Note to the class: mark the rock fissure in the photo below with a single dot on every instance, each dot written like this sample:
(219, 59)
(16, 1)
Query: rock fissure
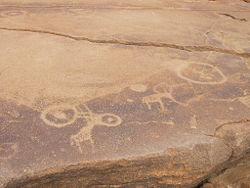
(227, 123)
(233, 134)
(82, 7)
(230, 123)
(224, 140)
(115, 7)
(233, 17)
(235, 174)
(133, 43)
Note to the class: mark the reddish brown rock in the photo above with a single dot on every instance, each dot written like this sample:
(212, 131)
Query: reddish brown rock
(123, 93)
(237, 176)
(208, 185)
(236, 135)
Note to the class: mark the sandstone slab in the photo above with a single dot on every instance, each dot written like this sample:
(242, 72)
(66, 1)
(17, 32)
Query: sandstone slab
(122, 93)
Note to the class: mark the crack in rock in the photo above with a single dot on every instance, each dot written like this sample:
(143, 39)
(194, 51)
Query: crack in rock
(233, 17)
(133, 43)
(240, 122)
(80, 7)
(230, 123)
(236, 135)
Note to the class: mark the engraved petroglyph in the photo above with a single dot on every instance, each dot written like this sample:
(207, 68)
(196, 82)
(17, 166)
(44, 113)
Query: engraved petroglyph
(233, 39)
(245, 100)
(193, 122)
(63, 115)
(170, 123)
(163, 90)
(59, 115)
(138, 87)
(247, 63)
(7, 150)
(158, 96)
(85, 134)
(154, 98)
(168, 90)
(211, 29)
(201, 73)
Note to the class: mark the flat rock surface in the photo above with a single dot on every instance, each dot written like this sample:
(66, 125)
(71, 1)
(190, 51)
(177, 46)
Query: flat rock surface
(122, 93)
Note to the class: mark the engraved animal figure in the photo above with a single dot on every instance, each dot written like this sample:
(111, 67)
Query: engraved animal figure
(154, 98)
(65, 114)
(162, 90)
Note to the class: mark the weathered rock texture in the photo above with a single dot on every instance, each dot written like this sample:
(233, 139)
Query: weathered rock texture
(237, 175)
(124, 94)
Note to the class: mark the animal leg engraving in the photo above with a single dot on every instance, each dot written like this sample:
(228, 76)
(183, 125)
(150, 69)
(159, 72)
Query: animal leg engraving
(154, 98)
(85, 134)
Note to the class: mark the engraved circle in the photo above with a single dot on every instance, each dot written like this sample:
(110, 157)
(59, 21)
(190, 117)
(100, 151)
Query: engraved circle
(202, 73)
(59, 115)
(110, 120)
